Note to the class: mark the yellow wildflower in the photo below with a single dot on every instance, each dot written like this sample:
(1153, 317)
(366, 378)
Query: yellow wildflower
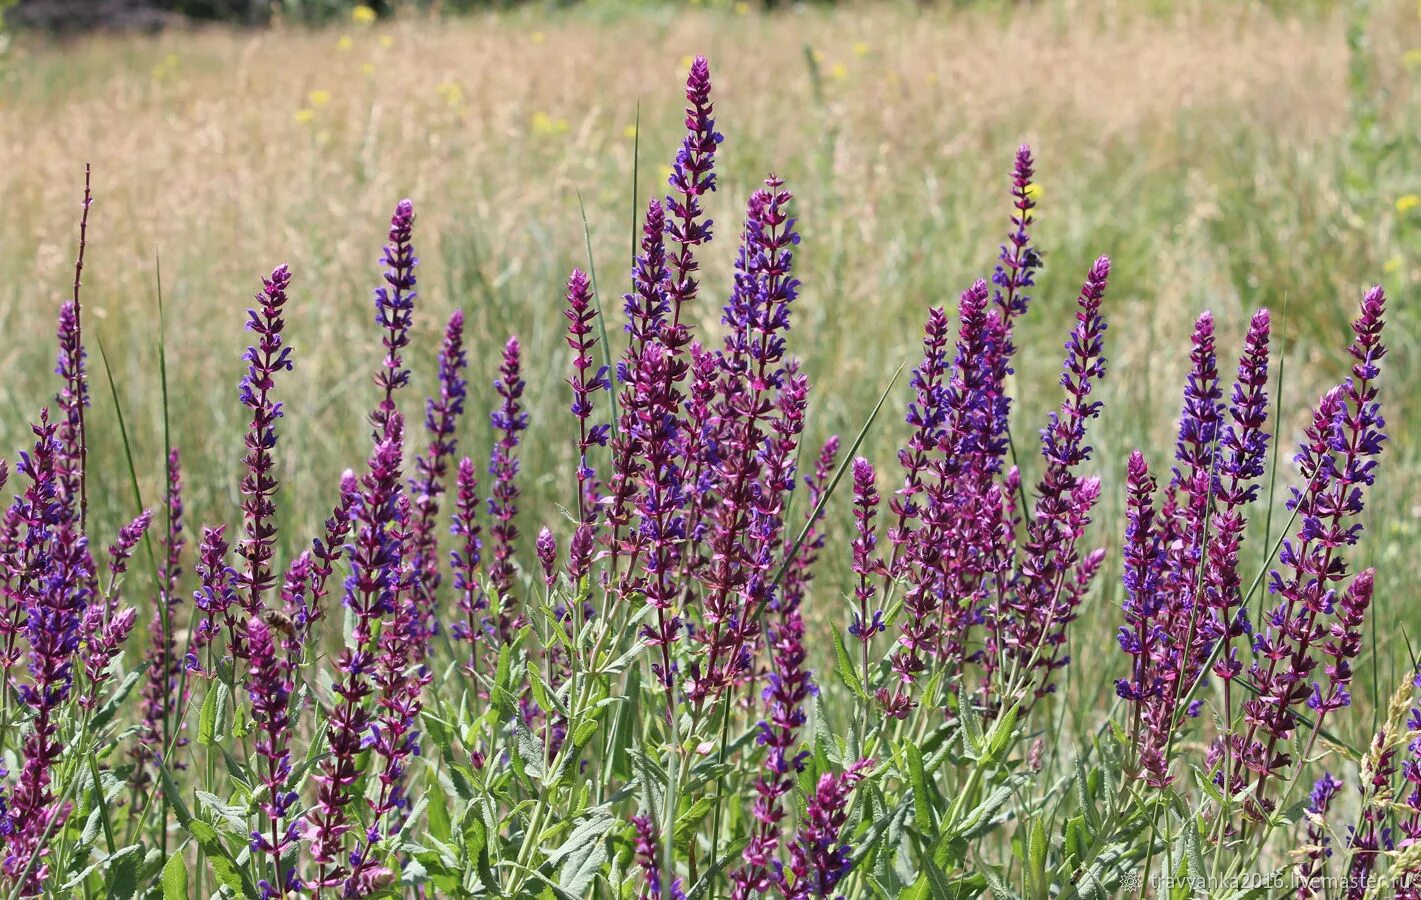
(838, 71)
(537, 37)
(363, 14)
(860, 49)
(345, 43)
(387, 41)
(452, 93)
(368, 68)
(305, 116)
(546, 124)
(685, 62)
(1406, 203)
(742, 8)
(629, 132)
(319, 97)
(1393, 265)
(1411, 59)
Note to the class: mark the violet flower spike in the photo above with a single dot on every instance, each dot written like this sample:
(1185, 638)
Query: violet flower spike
(1318, 844)
(464, 560)
(819, 857)
(580, 314)
(692, 177)
(441, 419)
(509, 421)
(269, 686)
(264, 359)
(394, 309)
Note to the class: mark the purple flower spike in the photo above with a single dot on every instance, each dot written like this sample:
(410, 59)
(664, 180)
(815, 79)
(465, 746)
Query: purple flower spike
(868, 619)
(1337, 459)
(54, 601)
(441, 421)
(819, 858)
(161, 685)
(1041, 611)
(581, 314)
(72, 400)
(269, 685)
(1317, 848)
(464, 560)
(547, 549)
(394, 308)
(653, 887)
(509, 421)
(269, 356)
(692, 176)
(376, 562)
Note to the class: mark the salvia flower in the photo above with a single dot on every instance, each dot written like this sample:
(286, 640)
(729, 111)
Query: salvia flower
(269, 685)
(1337, 459)
(1317, 848)
(441, 420)
(692, 177)
(370, 594)
(267, 357)
(645, 851)
(509, 422)
(819, 857)
(464, 560)
(580, 314)
(163, 686)
(394, 308)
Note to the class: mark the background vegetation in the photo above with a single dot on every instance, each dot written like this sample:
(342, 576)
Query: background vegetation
(1228, 156)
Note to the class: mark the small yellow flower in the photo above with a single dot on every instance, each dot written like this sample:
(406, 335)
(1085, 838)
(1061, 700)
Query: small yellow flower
(685, 62)
(368, 68)
(695, 2)
(363, 14)
(629, 132)
(1406, 203)
(537, 37)
(345, 43)
(319, 97)
(1411, 59)
(305, 116)
(742, 8)
(930, 78)
(860, 49)
(387, 41)
(171, 60)
(1033, 191)
(546, 124)
(838, 71)
(893, 79)
(452, 93)
(816, 55)
(1392, 266)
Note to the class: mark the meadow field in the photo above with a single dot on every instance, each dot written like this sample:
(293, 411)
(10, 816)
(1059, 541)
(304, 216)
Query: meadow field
(1225, 156)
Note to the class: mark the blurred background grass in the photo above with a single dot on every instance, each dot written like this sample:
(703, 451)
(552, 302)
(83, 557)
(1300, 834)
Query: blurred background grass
(1227, 155)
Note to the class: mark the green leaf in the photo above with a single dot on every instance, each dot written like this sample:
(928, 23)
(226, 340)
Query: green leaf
(1036, 850)
(690, 820)
(224, 867)
(175, 877)
(922, 805)
(845, 668)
